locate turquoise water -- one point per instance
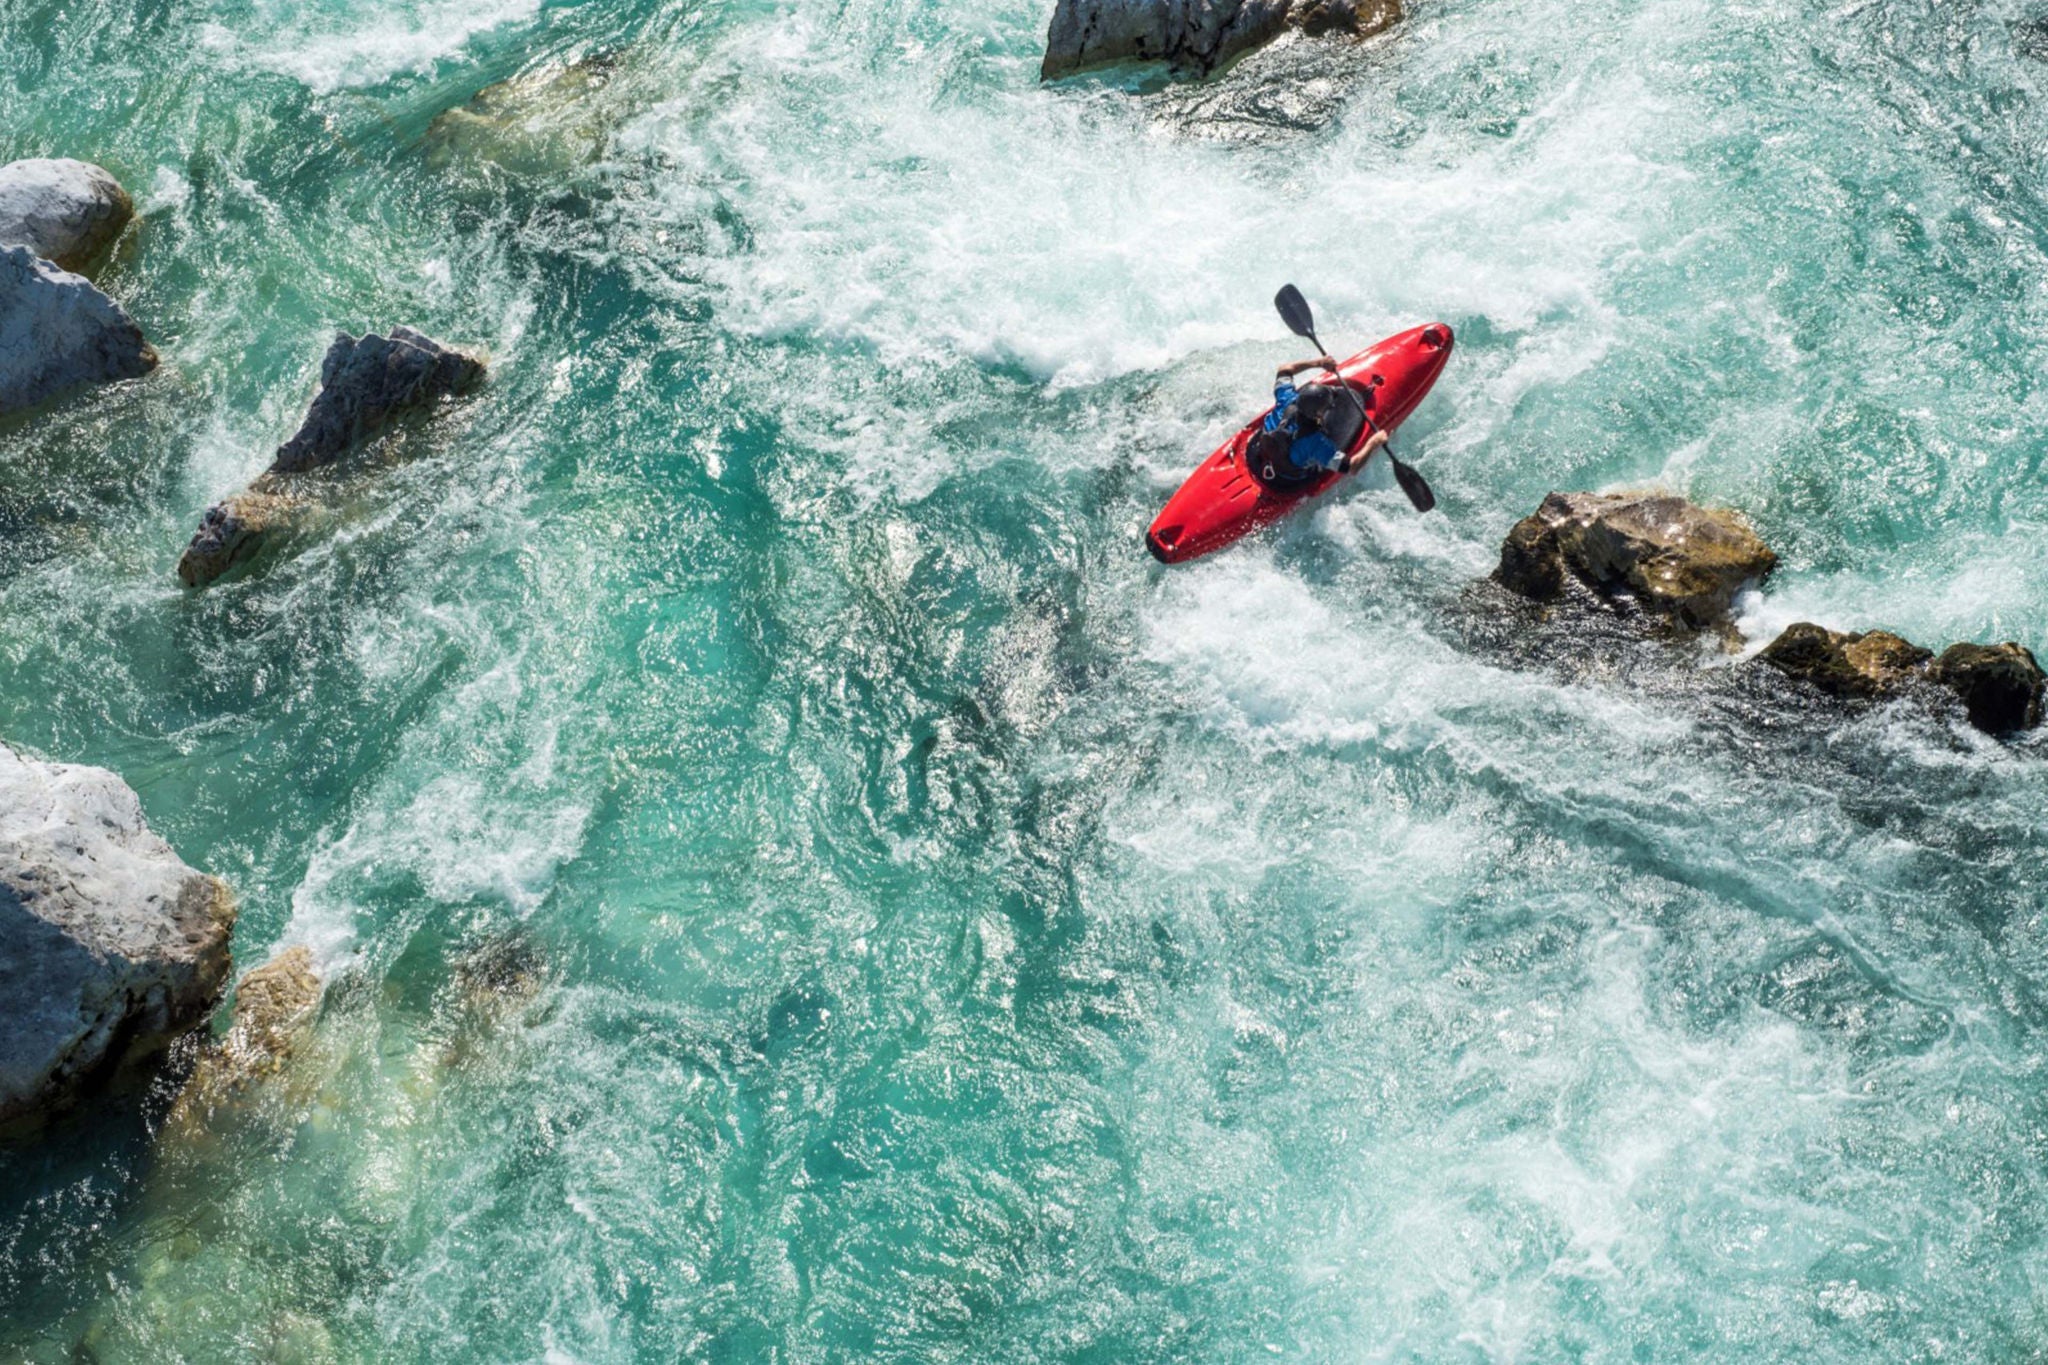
(797, 883)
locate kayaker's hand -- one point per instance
(1327, 362)
(1372, 443)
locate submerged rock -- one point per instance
(274, 1006)
(1870, 664)
(366, 384)
(273, 1016)
(272, 1003)
(2030, 37)
(110, 946)
(1672, 558)
(235, 528)
(540, 123)
(68, 212)
(2001, 685)
(58, 334)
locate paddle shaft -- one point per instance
(1294, 311)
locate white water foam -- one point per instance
(1065, 232)
(330, 48)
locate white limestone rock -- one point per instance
(68, 212)
(110, 946)
(58, 334)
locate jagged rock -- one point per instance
(1189, 35)
(68, 212)
(2001, 685)
(1871, 664)
(235, 528)
(366, 383)
(110, 946)
(58, 333)
(1194, 36)
(539, 123)
(1359, 18)
(1671, 557)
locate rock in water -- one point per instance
(274, 1004)
(1190, 35)
(58, 333)
(235, 528)
(2001, 685)
(68, 212)
(273, 1018)
(1672, 557)
(271, 1003)
(1872, 664)
(1359, 18)
(110, 947)
(539, 124)
(366, 383)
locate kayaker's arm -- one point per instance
(1321, 362)
(1372, 443)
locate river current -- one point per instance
(796, 882)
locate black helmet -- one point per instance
(1312, 404)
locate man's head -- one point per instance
(1313, 404)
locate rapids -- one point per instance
(798, 883)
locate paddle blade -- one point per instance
(1414, 485)
(1294, 311)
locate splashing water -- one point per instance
(798, 883)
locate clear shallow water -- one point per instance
(799, 884)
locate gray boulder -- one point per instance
(1672, 558)
(58, 333)
(1190, 35)
(366, 384)
(68, 212)
(1193, 36)
(110, 947)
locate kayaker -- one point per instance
(1309, 426)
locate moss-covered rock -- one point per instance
(1872, 664)
(2001, 685)
(1672, 558)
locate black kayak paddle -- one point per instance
(1294, 311)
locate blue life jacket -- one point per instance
(1305, 450)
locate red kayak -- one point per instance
(1223, 500)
